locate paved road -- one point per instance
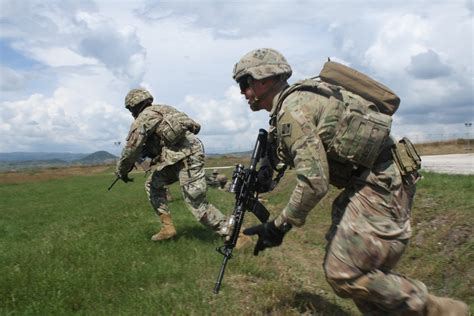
(455, 164)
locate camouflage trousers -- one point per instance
(191, 176)
(369, 232)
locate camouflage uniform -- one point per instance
(182, 161)
(370, 218)
(216, 180)
(222, 181)
(212, 179)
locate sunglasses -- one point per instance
(244, 83)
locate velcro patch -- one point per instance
(286, 129)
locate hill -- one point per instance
(34, 156)
(99, 157)
(37, 160)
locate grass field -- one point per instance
(68, 246)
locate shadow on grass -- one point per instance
(309, 303)
(196, 232)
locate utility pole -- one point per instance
(117, 145)
(468, 136)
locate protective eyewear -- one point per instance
(244, 83)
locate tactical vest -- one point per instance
(353, 131)
(174, 125)
(169, 135)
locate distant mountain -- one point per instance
(24, 160)
(99, 157)
(231, 154)
(36, 156)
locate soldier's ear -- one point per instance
(268, 81)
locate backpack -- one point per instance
(175, 124)
(386, 100)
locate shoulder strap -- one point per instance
(313, 85)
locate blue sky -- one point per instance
(67, 65)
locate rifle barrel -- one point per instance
(113, 183)
(221, 274)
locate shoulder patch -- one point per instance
(286, 129)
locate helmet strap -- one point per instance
(136, 110)
(276, 86)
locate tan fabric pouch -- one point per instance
(406, 157)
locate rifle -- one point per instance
(124, 179)
(113, 183)
(143, 160)
(244, 185)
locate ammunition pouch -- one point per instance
(360, 135)
(407, 159)
(172, 133)
(174, 126)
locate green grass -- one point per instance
(68, 246)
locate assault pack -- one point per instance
(175, 124)
(386, 100)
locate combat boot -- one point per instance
(167, 228)
(443, 306)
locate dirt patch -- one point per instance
(456, 146)
(50, 173)
(454, 237)
(458, 235)
(426, 229)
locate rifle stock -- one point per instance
(244, 185)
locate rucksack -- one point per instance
(175, 124)
(352, 80)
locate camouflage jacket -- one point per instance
(296, 127)
(144, 140)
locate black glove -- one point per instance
(124, 178)
(268, 235)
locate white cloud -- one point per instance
(428, 66)
(71, 118)
(10, 79)
(227, 116)
(57, 56)
(116, 46)
(408, 31)
(70, 64)
(227, 123)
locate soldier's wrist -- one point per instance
(286, 217)
(282, 223)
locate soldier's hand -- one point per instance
(124, 177)
(268, 235)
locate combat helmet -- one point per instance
(262, 63)
(136, 96)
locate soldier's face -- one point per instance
(252, 89)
